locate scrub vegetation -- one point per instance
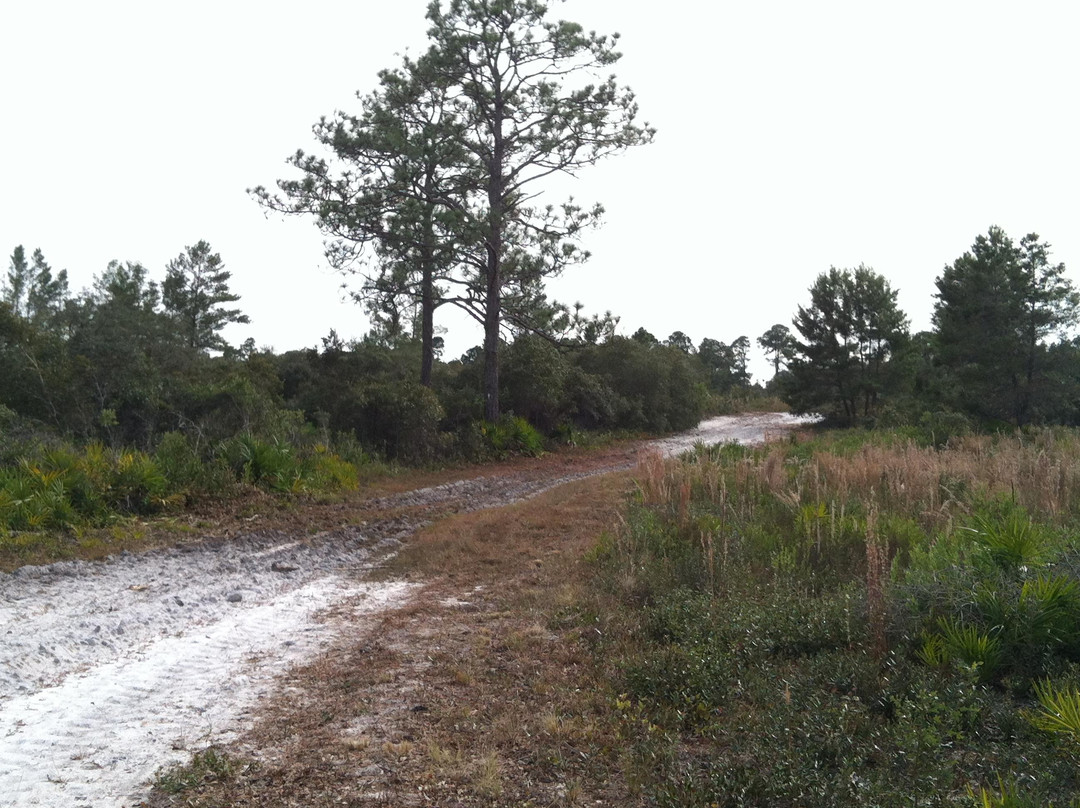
(857, 619)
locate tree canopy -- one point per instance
(995, 307)
(195, 290)
(850, 330)
(441, 171)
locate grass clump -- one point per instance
(208, 766)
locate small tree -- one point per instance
(47, 294)
(644, 337)
(850, 330)
(18, 282)
(196, 287)
(779, 346)
(32, 291)
(121, 349)
(718, 359)
(680, 341)
(740, 350)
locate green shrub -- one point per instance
(1012, 541)
(326, 471)
(941, 427)
(513, 435)
(402, 419)
(1059, 712)
(191, 473)
(62, 488)
(981, 651)
(137, 486)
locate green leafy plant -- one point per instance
(1012, 541)
(1059, 713)
(1007, 795)
(980, 650)
(207, 766)
(511, 435)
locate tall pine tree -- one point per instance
(195, 290)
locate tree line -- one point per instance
(133, 359)
(1002, 350)
(429, 194)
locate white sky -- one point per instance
(792, 136)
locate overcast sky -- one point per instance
(792, 137)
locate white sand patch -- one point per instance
(99, 736)
(748, 428)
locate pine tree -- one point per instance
(997, 304)
(196, 287)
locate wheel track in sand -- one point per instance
(109, 670)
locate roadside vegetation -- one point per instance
(840, 618)
(853, 619)
(114, 405)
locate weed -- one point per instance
(207, 766)
(398, 749)
(486, 778)
(853, 620)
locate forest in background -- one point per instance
(126, 397)
(135, 371)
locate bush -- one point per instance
(190, 473)
(654, 387)
(511, 435)
(61, 488)
(404, 418)
(532, 380)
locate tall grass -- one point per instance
(856, 619)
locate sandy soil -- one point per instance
(109, 670)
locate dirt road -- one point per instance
(109, 670)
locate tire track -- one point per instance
(97, 737)
(109, 670)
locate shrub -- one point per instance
(402, 418)
(532, 380)
(513, 435)
(191, 473)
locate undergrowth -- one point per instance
(850, 621)
(55, 490)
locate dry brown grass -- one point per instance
(474, 694)
(1040, 471)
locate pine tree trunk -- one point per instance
(492, 316)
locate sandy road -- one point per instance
(109, 670)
